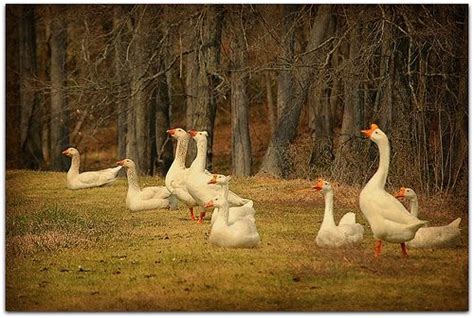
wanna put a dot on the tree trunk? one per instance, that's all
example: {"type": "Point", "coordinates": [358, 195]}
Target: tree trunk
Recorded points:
{"type": "Point", "coordinates": [141, 114]}
{"type": "Point", "coordinates": [272, 113]}
{"type": "Point", "coordinates": [320, 118]}
{"type": "Point", "coordinates": [207, 60]}
{"type": "Point", "coordinates": [349, 146]}
{"type": "Point", "coordinates": [241, 147]}
{"type": "Point", "coordinates": [384, 93]}
{"type": "Point", "coordinates": [191, 94]}
{"type": "Point", "coordinates": [293, 84]}
{"type": "Point", "coordinates": [43, 68]}
{"type": "Point", "coordinates": [163, 145]}
{"type": "Point", "coordinates": [320, 125]}
{"type": "Point", "coordinates": [30, 124]}
{"type": "Point", "coordinates": [122, 80]}
{"type": "Point", "coordinates": [58, 122]}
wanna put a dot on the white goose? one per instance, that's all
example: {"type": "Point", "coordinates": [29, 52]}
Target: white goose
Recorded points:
{"type": "Point", "coordinates": [197, 180]}
{"type": "Point", "coordinates": [175, 179]}
{"type": "Point", "coordinates": [388, 218]}
{"type": "Point", "coordinates": [147, 198]}
{"type": "Point", "coordinates": [330, 234]}
{"type": "Point", "coordinates": [430, 237]}
{"type": "Point", "coordinates": [235, 213]}
{"type": "Point", "coordinates": [242, 232]}
{"type": "Point", "coordinates": [89, 179]}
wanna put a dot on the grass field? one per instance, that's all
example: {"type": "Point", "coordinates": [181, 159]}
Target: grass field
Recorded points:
{"type": "Point", "coordinates": [84, 251]}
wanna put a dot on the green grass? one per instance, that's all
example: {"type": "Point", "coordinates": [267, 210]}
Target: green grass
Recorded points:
{"type": "Point", "coordinates": [84, 251]}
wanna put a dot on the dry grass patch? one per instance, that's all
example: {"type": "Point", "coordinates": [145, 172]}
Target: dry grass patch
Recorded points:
{"type": "Point", "coordinates": [84, 251]}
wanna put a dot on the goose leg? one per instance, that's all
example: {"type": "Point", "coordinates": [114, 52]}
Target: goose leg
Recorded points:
{"type": "Point", "coordinates": [404, 249]}
{"type": "Point", "coordinates": [201, 216]}
{"type": "Point", "coordinates": [192, 214]}
{"type": "Point", "coordinates": [378, 248]}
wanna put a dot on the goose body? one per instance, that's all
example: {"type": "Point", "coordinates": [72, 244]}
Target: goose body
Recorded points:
{"type": "Point", "coordinates": [197, 181]}
{"type": "Point", "coordinates": [388, 218]}
{"type": "Point", "coordinates": [330, 234]}
{"type": "Point", "coordinates": [433, 236]}
{"type": "Point", "coordinates": [240, 233]}
{"type": "Point", "coordinates": [89, 179]}
{"type": "Point", "coordinates": [148, 198]}
{"type": "Point", "coordinates": [175, 180]}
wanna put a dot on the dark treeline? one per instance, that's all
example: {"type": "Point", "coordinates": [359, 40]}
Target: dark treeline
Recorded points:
{"type": "Point", "coordinates": [320, 72]}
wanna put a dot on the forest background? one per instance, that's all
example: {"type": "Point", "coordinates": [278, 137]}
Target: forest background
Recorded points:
{"type": "Point", "coordinates": [282, 89]}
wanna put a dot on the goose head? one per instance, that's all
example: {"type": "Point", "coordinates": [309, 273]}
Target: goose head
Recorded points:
{"type": "Point", "coordinates": [219, 179]}
{"type": "Point", "coordinates": [217, 202]}
{"type": "Point", "coordinates": [374, 133]}
{"type": "Point", "coordinates": [405, 193]}
{"type": "Point", "coordinates": [127, 163]}
{"type": "Point", "coordinates": [199, 136]}
{"type": "Point", "coordinates": [177, 133]}
{"type": "Point", "coordinates": [70, 152]}
{"type": "Point", "coordinates": [323, 186]}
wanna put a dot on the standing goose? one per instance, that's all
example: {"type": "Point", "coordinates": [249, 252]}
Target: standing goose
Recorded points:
{"type": "Point", "coordinates": [89, 179]}
{"type": "Point", "coordinates": [330, 234]}
{"type": "Point", "coordinates": [147, 198]}
{"type": "Point", "coordinates": [242, 232]}
{"type": "Point", "coordinates": [198, 178]}
{"type": "Point", "coordinates": [175, 179]}
{"type": "Point", "coordinates": [388, 218]}
{"type": "Point", "coordinates": [430, 237]}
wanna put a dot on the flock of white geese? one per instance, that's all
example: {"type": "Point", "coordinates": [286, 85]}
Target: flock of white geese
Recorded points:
{"type": "Point", "coordinates": [233, 217]}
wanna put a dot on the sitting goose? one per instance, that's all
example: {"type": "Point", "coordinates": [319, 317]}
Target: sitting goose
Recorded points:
{"type": "Point", "coordinates": [237, 212]}
{"type": "Point", "coordinates": [433, 236]}
{"type": "Point", "coordinates": [147, 198]}
{"type": "Point", "coordinates": [330, 234]}
{"type": "Point", "coordinates": [241, 233]}
{"type": "Point", "coordinates": [89, 179]}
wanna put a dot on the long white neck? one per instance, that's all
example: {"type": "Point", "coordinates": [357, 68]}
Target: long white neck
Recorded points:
{"type": "Point", "coordinates": [225, 186]}
{"type": "Point", "coordinates": [75, 164]}
{"type": "Point", "coordinates": [328, 219]}
{"type": "Point", "coordinates": [414, 206]}
{"type": "Point", "coordinates": [132, 180]}
{"type": "Point", "coordinates": [199, 164]}
{"type": "Point", "coordinates": [224, 213]}
{"type": "Point", "coordinates": [380, 177]}
{"type": "Point", "coordinates": [180, 156]}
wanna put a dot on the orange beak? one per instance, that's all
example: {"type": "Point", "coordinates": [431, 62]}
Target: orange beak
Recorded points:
{"type": "Point", "coordinates": [171, 132]}
{"type": "Point", "coordinates": [213, 180]}
{"type": "Point", "coordinates": [65, 152]}
{"type": "Point", "coordinates": [400, 193]}
{"type": "Point", "coordinates": [209, 204]}
{"type": "Point", "coordinates": [119, 163]}
{"type": "Point", "coordinates": [318, 186]}
{"type": "Point", "coordinates": [368, 132]}
{"type": "Point", "coordinates": [192, 132]}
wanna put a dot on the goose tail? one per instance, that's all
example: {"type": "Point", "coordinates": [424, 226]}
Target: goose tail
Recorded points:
{"type": "Point", "coordinates": [455, 223]}
{"type": "Point", "coordinates": [418, 224]}
{"type": "Point", "coordinates": [348, 218]}
{"type": "Point", "coordinates": [116, 169]}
